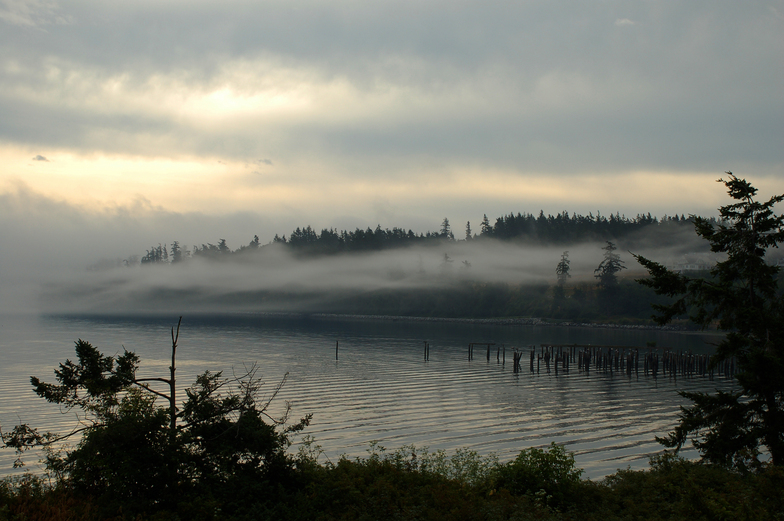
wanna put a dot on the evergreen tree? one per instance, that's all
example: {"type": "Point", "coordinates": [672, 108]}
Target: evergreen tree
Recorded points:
{"type": "Point", "coordinates": [155, 255]}
{"type": "Point", "coordinates": [468, 235]}
{"type": "Point", "coordinates": [223, 247]}
{"type": "Point", "coordinates": [610, 265]}
{"type": "Point", "coordinates": [176, 252]}
{"type": "Point", "coordinates": [742, 297]}
{"type": "Point", "coordinates": [562, 270]}
{"type": "Point", "coordinates": [446, 230]}
{"type": "Point", "coordinates": [485, 227]}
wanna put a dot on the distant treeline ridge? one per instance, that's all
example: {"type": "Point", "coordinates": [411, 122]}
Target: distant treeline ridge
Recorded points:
{"type": "Point", "coordinates": [559, 229]}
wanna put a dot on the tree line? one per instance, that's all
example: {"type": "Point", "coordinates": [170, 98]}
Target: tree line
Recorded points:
{"type": "Point", "coordinates": [559, 229]}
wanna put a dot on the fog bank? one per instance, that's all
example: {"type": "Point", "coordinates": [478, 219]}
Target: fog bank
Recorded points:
{"type": "Point", "coordinates": [52, 252]}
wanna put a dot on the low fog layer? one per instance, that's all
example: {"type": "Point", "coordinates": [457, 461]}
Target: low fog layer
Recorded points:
{"type": "Point", "coordinates": [276, 280]}
{"type": "Point", "coordinates": [50, 246]}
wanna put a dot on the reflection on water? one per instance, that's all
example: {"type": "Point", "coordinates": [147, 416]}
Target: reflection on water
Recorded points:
{"type": "Point", "coordinates": [381, 388]}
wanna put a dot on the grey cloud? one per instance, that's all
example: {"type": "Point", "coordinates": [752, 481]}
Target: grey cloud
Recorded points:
{"type": "Point", "coordinates": [354, 41]}
{"type": "Point", "coordinates": [688, 84]}
{"type": "Point", "coordinates": [39, 157]}
{"type": "Point", "coordinates": [611, 142]}
{"type": "Point", "coordinates": [32, 13]}
{"type": "Point", "coordinates": [265, 161]}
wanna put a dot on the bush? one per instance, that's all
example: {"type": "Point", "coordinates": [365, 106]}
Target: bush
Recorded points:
{"type": "Point", "coordinates": [676, 488]}
{"type": "Point", "coordinates": [549, 476]}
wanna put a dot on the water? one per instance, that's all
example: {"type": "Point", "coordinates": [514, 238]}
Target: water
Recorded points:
{"type": "Point", "coordinates": [381, 389]}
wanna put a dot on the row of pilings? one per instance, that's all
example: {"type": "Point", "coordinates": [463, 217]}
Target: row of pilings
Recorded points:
{"type": "Point", "coordinates": [619, 359]}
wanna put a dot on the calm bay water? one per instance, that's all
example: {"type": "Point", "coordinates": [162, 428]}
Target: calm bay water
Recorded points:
{"type": "Point", "coordinates": [381, 389]}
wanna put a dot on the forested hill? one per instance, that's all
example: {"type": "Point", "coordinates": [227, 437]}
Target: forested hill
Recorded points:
{"type": "Point", "coordinates": [561, 229]}
{"type": "Point", "coordinates": [505, 269]}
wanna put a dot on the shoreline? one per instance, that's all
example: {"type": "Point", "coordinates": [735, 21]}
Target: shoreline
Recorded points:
{"type": "Point", "coordinates": [499, 321]}
{"type": "Point", "coordinates": [518, 321]}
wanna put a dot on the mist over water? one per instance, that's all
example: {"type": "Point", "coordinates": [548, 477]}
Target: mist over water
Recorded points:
{"type": "Point", "coordinates": [276, 280]}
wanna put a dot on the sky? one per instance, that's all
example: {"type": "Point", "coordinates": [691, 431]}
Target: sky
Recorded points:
{"type": "Point", "coordinates": [128, 124]}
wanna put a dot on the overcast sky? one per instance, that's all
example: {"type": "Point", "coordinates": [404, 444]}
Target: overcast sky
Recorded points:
{"type": "Point", "coordinates": [153, 121]}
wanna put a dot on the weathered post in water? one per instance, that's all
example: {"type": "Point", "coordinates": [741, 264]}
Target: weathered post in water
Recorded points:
{"type": "Point", "coordinates": [336, 349]}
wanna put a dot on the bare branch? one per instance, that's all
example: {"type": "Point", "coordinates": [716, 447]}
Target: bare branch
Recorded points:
{"type": "Point", "coordinates": [153, 391]}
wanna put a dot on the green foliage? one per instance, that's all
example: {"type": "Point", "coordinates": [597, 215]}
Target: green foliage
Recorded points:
{"type": "Point", "coordinates": [741, 296]}
{"type": "Point", "coordinates": [548, 475]}
{"type": "Point", "coordinates": [466, 466]}
{"type": "Point", "coordinates": [675, 488]}
{"type": "Point", "coordinates": [227, 437]}
{"type": "Point", "coordinates": [32, 498]}
{"type": "Point", "coordinates": [410, 483]}
{"type": "Point", "coordinates": [127, 459]}
{"type": "Point", "coordinates": [93, 384]}
{"type": "Point", "coordinates": [415, 484]}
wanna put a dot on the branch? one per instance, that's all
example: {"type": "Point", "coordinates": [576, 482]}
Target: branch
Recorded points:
{"type": "Point", "coordinates": [23, 437]}
{"type": "Point", "coordinates": [164, 380]}
{"type": "Point", "coordinates": [153, 391]}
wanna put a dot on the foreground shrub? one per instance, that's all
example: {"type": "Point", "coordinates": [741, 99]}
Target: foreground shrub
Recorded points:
{"type": "Point", "coordinates": [548, 475]}
{"type": "Point", "coordinates": [414, 484]}
{"type": "Point", "coordinates": [31, 498]}
{"type": "Point", "coordinates": [409, 484]}
{"type": "Point", "coordinates": [676, 488]}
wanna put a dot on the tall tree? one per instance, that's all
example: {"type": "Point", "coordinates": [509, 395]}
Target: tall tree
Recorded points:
{"type": "Point", "coordinates": [610, 265]}
{"type": "Point", "coordinates": [562, 269]}
{"type": "Point", "coordinates": [485, 227]}
{"type": "Point", "coordinates": [223, 247]}
{"type": "Point", "coordinates": [176, 252]}
{"type": "Point", "coordinates": [742, 297]}
{"type": "Point", "coordinates": [468, 235]}
{"type": "Point", "coordinates": [446, 229]}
